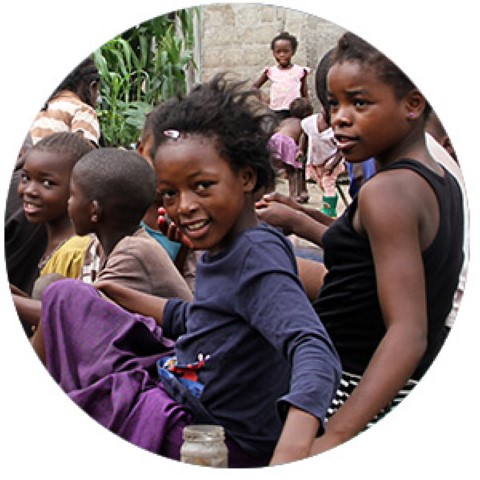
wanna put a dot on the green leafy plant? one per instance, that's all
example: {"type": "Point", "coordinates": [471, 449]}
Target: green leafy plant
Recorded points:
{"type": "Point", "coordinates": [140, 68]}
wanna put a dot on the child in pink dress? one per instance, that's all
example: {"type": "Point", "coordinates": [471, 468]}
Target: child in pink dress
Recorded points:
{"type": "Point", "coordinates": [288, 80]}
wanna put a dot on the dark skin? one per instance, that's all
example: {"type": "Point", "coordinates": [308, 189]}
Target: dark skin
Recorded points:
{"type": "Point", "coordinates": [399, 214]}
{"type": "Point", "coordinates": [44, 190]}
{"type": "Point", "coordinates": [211, 205]}
{"type": "Point", "coordinates": [151, 215]}
{"type": "Point", "coordinates": [88, 216]}
{"type": "Point", "coordinates": [283, 53]}
{"type": "Point", "coordinates": [284, 212]}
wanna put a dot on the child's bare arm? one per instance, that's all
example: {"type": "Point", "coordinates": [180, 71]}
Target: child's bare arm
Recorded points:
{"type": "Point", "coordinates": [260, 80]}
{"type": "Point", "coordinates": [304, 86]}
{"type": "Point", "coordinates": [391, 222]}
{"type": "Point", "coordinates": [133, 300]}
{"type": "Point", "coordinates": [29, 310]}
{"type": "Point", "coordinates": [297, 436]}
{"type": "Point", "coordinates": [291, 219]}
{"type": "Point", "coordinates": [15, 290]}
{"type": "Point", "coordinates": [286, 200]}
{"type": "Point", "coordinates": [311, 274]}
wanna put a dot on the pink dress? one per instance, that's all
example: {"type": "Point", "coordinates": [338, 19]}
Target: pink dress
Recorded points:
{"type": "Point", "coordinates": [286, 85]}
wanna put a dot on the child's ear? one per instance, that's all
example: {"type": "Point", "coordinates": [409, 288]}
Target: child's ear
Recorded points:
{"type": "Point", "coordinates": [249, 177]}
{"type": "Point", "coordinates": [95, 211]}
{"type": "Point", "coordinates": [414, 104]}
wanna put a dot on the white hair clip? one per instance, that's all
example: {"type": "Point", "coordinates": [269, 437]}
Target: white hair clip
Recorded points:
{"type": "Point", "coordinates": [173, 134]}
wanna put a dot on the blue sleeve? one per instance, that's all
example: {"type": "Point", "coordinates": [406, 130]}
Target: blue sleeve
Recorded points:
{"type": "Point", "coordinates": [368, 167]}
{"type": "Point", "coordinates": [275, 304]}
{"type": "Point", "coordinates": [174, 318]}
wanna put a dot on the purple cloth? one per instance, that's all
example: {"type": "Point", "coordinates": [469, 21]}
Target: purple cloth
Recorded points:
{"type": "Point", "coordinates": [104, 358]}
{"type": "Point", "coordinates": [285, 149]}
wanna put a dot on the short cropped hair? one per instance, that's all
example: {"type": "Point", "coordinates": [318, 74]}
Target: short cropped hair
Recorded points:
{"type": "Point", "coordinates": [121, 180]}
{"type": "Point", "coordinates": [300, 108]}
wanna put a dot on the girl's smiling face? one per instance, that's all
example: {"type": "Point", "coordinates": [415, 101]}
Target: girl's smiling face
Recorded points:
{"type": "Point", "coordinates": [207, 200]}
{"type": "Point", "coordinates": [44, 186]}
{"type": "Point", "coordinates": [367, 118]}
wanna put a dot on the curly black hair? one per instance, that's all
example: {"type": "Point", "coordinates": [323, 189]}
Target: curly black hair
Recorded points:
{"type": "Point", "coordinates": [285, 36]}
{"type": "Point", "coordinates": [79, 81]}
{"type": "Point", "coordinates": [233, 116]}
{"type": "Point", "coordinates": [350, 47]}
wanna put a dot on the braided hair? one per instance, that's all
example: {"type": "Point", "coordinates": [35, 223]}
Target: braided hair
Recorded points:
{"type": "Point", "coordinates": [72, 146]}
{"type": "Point", "coordinates": [79, 81]}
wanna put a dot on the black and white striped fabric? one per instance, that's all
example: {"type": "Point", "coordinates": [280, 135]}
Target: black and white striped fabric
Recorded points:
{"type": "Point", "coordinates": [348, 383]}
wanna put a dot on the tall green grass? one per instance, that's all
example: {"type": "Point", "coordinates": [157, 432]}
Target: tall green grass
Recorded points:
{"type": "Point", "coordinates": [140, 68]}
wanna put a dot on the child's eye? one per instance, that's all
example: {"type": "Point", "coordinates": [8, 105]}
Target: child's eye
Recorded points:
{"type": "Point", "coordinates": [166, 194]}
{"type": "Point", "coordinates": [47, 183]}
{"type": "Point", "coordinates": [360, 102]}
{"type": "Point", "coordinates": [202, 186]}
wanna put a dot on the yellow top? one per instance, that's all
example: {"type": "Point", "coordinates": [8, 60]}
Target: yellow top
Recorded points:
{"type": "Point", "coordinates": [68, 259]}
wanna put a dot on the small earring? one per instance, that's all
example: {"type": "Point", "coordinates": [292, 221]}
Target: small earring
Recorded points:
{"type": "Point", "coordinates": [94, 218]}
{"type": "Point", "coordinates": [411, 115]}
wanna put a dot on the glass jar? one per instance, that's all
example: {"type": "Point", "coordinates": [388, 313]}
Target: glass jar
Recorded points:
{"type": "Point", "coordinates": [204, 445]}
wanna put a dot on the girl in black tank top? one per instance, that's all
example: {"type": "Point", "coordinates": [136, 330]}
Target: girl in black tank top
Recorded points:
{"type": "Point", "coordinates": [395, 256]}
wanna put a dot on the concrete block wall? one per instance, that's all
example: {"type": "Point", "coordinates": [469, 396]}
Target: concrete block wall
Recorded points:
{"type": "Point", "coordinates": [237, 37]}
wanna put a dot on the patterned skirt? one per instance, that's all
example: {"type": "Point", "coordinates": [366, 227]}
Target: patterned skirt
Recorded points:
{"type": "Point", "coordinates": [348, 383]}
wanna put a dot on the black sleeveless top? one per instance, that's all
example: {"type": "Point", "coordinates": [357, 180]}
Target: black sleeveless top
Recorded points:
{"type": "Point", "coordinates": [348, 304]}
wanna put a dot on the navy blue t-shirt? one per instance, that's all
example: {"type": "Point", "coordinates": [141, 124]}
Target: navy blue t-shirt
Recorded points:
{"type": "Point", "coordinates": [264, 345]}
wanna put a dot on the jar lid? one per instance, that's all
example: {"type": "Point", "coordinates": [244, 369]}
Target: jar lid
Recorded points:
{"type": "Point", "coordinates": [203, 432]}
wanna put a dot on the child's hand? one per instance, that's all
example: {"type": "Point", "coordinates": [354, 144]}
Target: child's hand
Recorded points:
{"type": "Point", "coordinates": [170, 230]}
{"type": "Point", "coordinates": [280, 198]}
{"type": "Point", "coordinates": [276, 213]}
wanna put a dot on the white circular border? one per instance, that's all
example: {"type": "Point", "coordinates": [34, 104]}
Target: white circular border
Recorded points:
{"type": "Point", "coordinates": [46, 435]}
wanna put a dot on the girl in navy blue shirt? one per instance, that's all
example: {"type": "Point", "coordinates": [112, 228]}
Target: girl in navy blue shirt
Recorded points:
{"type": "Point", "coordinates": [250, 352]}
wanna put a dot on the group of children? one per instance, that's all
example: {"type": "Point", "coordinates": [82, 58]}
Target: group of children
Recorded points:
{"type": "Point", "coordinates": [291, 357]}
{"type": "Point", "coordinates": [303, 142]}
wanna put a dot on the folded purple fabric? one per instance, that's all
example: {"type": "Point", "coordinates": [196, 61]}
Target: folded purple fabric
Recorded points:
{"type": "Point", "coordinates": [104, 358]}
